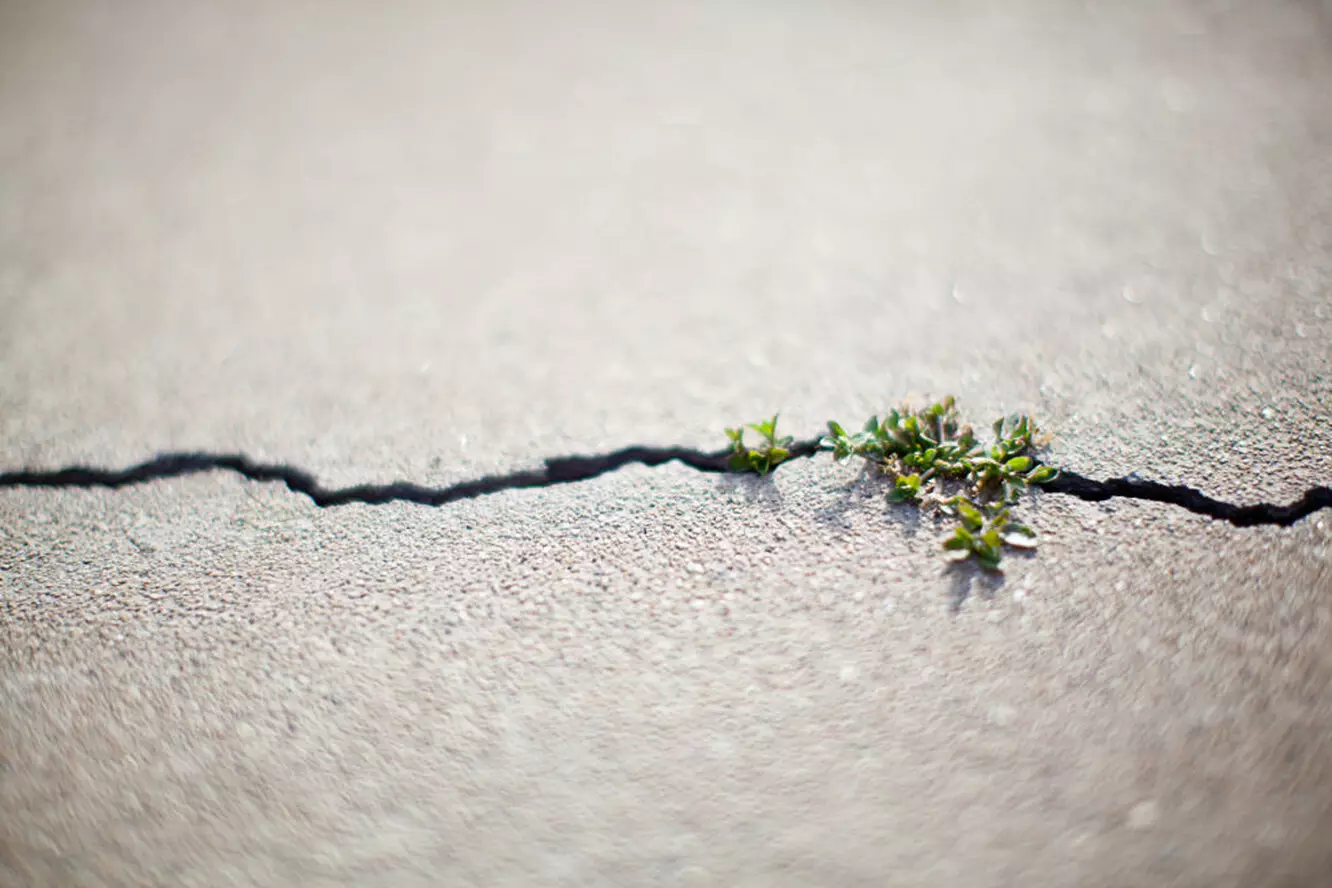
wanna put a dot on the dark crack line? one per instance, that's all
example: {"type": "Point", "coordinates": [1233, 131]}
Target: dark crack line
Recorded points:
{"type": "Point", "coordinates": [1073, 484]}
{"type": "Point", "coordinates": [562, 470]}
{"type": "Point", "coordinates": [569, 469]}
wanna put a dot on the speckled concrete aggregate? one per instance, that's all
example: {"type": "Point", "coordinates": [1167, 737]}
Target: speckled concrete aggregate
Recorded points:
{"type": "Point", "coordinates": [435, 240]}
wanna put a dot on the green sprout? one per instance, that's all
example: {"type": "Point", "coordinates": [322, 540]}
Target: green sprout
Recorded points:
{"type": "Point", "coordinates": [984, 530]}
{"type": "Point", "coordinates": [927, 453]}
{"type": "Point", "coordinates": [771, 452]}
{"type": "Point", "coordinates": [906, 489]}
{"type": "Point", "coordinates": [934, 460]}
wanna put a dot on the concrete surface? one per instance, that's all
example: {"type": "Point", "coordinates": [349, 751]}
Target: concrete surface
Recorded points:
{"type": "Point", "coordinates": [428, 240]}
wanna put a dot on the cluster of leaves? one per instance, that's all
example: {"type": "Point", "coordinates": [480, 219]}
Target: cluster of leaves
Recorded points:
{"type": "Point", "coordinates": [771, 452]}
{"type": "Point", "coordinates": [984, 530]}
{"type": "Point", "coordinates": [933, 459]}
{"type": "Point", "coordinates": [928, 453]}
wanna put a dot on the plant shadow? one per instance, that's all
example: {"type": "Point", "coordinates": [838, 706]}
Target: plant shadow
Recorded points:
{"type": "Point", "coordinates": [869, 486]}
{"type": "Point", "coordinates": [854, 493]}
{"type": "Point", "coordinates": [910, 518]}
{"type": "Point", "coordinates": [964, 576]}
{"type": "Point", "coordinates": [754, 489]}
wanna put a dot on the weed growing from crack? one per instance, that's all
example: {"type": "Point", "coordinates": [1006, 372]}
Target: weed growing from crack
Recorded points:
{"type": "Point", "coordinates": [933, 461]}
{"type": "Point", "coordinates": [771, 452]}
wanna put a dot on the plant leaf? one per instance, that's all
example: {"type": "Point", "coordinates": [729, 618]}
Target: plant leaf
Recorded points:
{"type": "Point", "coordinates": [1018, 539]}
{"type": "Point", "coordinates": [957, 543]}
{"type": "Point", "coordinates": [1042, 475]}
{"type": "Point", "coordinates": [988, 558]}
{"type": "Point", "coordinates": [971, 516]}
{"type": "Point", "coordinates": [1018, 464]}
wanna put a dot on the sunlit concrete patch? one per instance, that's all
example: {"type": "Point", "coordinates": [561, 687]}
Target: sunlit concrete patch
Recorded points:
{"type": "Point", "coordinates": [442, 241]}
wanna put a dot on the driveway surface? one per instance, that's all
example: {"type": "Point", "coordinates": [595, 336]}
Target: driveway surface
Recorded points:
{"type": "Point", "coordinates": [429, 241]}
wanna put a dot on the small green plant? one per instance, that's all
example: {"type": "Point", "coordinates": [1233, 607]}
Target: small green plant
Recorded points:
{"type": "Point", "coordinates": [984, 530]}
{"type": "Point", "coordinates": [906, 489]}
{"type": "Point", "coordinates": [933, 460]}
{"type": "Point", "coordinates": [771, 452]}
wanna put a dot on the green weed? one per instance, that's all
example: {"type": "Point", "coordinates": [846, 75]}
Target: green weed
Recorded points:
{"type": "Point", "coordinates": [933, 459]}
{"type": "Point", "coordinates": [771, 452]}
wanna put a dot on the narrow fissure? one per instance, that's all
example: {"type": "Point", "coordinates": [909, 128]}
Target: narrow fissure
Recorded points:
{"type": "Point", "coordinates": [570, 469]}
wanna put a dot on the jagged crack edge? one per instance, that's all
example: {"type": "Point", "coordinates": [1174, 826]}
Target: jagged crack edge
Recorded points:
{"type": "Point", "coordinates": [560, 470]}
{"type": "Point", "coordinates": [570, 469]}
{"type": "Point", "coordinates": [1088, 489]}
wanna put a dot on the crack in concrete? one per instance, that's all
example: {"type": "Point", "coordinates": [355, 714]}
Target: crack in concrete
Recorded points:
{"type": "Point", "coordinates": [1195, 501]}
{"type": "Point", "coordinates": [560, 470]}
{"type": "Point", "coordinates": [570, 469]}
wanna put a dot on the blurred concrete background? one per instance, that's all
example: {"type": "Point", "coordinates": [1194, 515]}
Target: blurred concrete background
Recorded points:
{"type": "Point", "coordinates": [429, 240]}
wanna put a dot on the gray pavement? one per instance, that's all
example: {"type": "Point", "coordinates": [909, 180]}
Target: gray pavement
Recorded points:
{"type": "Point", "coordinates": [436, 240]}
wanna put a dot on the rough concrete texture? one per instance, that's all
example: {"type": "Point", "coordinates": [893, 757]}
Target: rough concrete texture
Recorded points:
{"type": "Point", "coordinates": [429, 240]}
